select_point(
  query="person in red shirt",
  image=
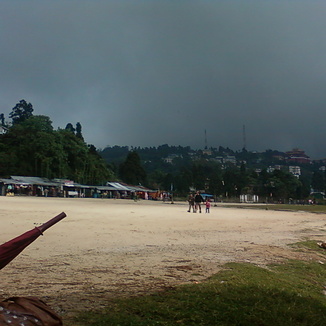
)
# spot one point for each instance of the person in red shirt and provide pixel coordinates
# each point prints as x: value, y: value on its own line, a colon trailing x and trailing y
x: 208, y: 205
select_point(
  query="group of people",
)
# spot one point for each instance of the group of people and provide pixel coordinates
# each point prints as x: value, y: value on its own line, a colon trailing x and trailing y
x: 196, y: 201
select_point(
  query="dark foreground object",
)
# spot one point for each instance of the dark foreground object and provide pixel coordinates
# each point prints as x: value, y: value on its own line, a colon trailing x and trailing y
x: 26, y: 311
x: 12, y: 248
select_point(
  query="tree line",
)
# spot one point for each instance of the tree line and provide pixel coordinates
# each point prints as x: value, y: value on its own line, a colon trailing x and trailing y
x: 31, y: 147
x: 186, y: 174
x: 233, y: 181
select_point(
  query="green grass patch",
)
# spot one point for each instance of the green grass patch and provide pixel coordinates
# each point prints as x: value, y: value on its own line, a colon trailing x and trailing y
x: 310, y: 245
x: 241, y: 294
x: 282, y: 207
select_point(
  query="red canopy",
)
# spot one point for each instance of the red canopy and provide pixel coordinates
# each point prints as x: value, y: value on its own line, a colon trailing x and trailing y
x: 12, y: 248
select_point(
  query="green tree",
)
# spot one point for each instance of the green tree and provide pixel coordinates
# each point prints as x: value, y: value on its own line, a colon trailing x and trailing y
x: 79, y: 131
x: 168, y: 182
x: 318, y: 181
x: 131, y: 170
x: 2, y: 119
x: 97, y: 170
x: 303, y: 191
x: 70, y: 127
x: 32, y: 148
x: 231, y: 179
x: 183, y: 181
x: 278, y: 185
x: 199, y: 175
x: 155, y: 179
x: 31, y: 143
x: 38, y: 123
x: 21, y: 111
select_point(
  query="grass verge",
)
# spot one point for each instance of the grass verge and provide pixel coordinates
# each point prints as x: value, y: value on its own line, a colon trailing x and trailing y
x: 282, y: 207
x: 241, y: 294
x: 310, y: 245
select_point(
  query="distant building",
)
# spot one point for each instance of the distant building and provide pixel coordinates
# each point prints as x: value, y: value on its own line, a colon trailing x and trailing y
x: 295, y: 170
x: 270, y: 169
x: 218, y: 159
x: 207, y: 152
x: 171, y: 157
x: 297, y: 156
x: 249, y: 199
x: 230, y: 159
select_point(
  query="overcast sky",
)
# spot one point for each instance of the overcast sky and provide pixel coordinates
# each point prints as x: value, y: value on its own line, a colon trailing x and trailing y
x: 147, y: 73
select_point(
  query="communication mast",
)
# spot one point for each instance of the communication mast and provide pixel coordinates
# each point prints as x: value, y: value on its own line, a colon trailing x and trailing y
x: 244, y: 137
x: 205, y: 139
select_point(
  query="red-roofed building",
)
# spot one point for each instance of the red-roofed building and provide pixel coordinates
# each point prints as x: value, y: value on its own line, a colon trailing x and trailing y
x: 297, y: 156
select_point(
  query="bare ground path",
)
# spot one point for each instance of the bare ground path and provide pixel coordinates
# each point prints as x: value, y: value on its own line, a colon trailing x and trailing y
x: 106, y: 248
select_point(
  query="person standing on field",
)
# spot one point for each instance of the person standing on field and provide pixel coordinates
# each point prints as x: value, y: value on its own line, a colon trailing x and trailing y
x: 198, y: 200
x: 191, y: 201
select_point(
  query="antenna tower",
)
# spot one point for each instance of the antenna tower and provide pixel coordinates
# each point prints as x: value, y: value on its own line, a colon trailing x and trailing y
x: 244, y: 137
x: 205, y: 139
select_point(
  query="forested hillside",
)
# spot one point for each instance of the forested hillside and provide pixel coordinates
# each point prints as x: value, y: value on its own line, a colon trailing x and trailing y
x: 31, y: 147
x: 221, y: 171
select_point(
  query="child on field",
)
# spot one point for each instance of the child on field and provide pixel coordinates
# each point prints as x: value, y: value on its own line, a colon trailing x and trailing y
x: 208, y: 205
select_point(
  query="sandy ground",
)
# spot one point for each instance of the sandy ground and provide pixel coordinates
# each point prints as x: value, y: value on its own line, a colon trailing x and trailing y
x: 106, y: 248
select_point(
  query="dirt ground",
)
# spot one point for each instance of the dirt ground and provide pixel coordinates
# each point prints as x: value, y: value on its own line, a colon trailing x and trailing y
x: 106, y: 248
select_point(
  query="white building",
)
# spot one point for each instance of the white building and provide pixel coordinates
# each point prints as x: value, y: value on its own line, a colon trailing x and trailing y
x: 295, y: 170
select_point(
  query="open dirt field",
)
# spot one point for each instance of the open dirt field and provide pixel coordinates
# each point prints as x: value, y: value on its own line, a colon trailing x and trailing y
x: 106, y: 248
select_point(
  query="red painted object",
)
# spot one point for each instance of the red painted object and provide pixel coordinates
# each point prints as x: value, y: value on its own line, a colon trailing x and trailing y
x: 12, y: 248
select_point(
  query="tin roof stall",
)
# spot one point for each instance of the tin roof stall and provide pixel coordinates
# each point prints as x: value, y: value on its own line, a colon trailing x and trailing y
x: 27, y: 186
x: 106, y: 191
x: 143, y: 192
x: 120, y: 191
x: 70, y: 189
x: 9, y: 186
x: 38, y: 186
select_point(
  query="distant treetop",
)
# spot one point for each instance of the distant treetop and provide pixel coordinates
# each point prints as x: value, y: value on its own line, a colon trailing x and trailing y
x: 21, y: 112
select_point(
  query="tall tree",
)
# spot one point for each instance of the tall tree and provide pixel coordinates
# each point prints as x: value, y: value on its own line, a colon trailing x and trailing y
x: 30, y: 144
x: 21, y: 112
x: 2, y: 119
x: 131, y: 170
x: 318, y: 181
x: 70, y: 127
x: 79, y: 131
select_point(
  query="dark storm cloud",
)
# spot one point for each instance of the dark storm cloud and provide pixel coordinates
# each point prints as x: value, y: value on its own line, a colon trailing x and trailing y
x: 145, y: 73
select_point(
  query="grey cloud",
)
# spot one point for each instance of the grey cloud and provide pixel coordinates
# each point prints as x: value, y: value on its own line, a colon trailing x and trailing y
x: 153, y: 72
